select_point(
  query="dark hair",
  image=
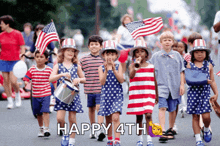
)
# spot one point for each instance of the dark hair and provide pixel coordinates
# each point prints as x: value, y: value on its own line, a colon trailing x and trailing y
x: 206, y: 58
x: 110, y: 51
x: 7, y: 19
x: 46, y: 53
x: 193, y: 37
x: 28, y: 24
x: 38, y: 27
x: 141, y: 48
x: 185, y: 46
x: 95, y: 38
x: 175, y: 44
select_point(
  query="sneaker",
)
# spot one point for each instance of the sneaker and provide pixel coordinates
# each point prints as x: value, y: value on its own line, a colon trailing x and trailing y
x: 71, y: 145
x: 207, y: 136
x: 65, y: 140
x: 150, y: 143
x: 46, y: 132
x: 117, y: 143
x: 10, y: 103
x: 109, y: 143
x: 200, y: 143
x: 18, y: 101
x: 100, y: 135
x: 41, y: 132
x: 139, y: 143
x: 92, y: 136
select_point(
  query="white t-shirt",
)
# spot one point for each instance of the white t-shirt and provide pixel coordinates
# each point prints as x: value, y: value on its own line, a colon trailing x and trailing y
x: 126, y: 38
x: 216, y: 20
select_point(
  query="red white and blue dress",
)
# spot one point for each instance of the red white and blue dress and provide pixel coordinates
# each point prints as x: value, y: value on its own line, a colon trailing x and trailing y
x: 142, y: 92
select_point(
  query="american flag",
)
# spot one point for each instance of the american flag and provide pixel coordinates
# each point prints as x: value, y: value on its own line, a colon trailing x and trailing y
x: 218, y: 74
x: 46, y: 36
x: 145, y: 27
x: 187, y: 57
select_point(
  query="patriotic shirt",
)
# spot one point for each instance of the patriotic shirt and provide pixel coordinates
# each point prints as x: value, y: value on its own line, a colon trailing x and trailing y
x: 40, y: 81
x: 10, y: 45
x: 142, y: 92
x: 90, y: 65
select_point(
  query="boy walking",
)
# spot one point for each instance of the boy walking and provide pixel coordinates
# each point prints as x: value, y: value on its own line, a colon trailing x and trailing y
x: 92, y: 87
x: 39, y: 74
x: 169, y: 71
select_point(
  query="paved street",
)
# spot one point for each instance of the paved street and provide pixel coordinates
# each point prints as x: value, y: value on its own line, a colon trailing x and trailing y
x: 18, y: 127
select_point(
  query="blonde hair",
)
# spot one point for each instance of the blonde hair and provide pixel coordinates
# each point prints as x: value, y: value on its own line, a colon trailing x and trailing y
x: 60, y: 57
x: 123, y: 18
x: 167, y: 34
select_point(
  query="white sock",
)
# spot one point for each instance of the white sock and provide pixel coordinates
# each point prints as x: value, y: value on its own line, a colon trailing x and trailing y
x: 149, y: 138
x: 140, y: 138
x: 198, y: 137
x: 42, y: 127
x: 10, y: 99
x: 17, y: 94
x: 206, y: 129
x: 72, y: 141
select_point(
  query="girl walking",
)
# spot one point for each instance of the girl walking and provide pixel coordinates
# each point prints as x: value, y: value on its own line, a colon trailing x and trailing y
x: 68, y: 67
x: 199, y: 96
x: 111, y: 77
x: 143, y: 93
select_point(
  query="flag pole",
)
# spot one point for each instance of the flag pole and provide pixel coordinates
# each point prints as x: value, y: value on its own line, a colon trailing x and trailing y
x: 56, y: 31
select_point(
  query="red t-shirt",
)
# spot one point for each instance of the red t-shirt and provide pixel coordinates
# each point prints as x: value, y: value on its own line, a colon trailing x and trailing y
x: 10, y: 45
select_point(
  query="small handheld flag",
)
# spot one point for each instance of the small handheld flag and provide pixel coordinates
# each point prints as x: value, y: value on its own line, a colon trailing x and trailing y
x: 145, y: 27
x: 46, y: 36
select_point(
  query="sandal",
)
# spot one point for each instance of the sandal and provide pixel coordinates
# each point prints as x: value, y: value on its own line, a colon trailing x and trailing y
x: 170, y: 134
x: 163, y: 138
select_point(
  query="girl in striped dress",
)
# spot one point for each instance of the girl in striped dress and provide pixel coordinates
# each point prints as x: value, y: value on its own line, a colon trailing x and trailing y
x: 143, y: 94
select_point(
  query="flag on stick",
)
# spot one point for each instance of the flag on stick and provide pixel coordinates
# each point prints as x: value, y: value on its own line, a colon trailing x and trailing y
x: 145, y: 27
x: 218, y: 74
x: 46, y: 36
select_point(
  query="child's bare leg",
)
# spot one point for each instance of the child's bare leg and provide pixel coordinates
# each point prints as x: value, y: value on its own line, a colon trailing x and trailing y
x: 61, y: 117
x: 46, y: 119
x: 116, y: 123
x: 109, y: 121
x: 72, y: 120
x: 139, y: 119
x: 172, y: 118
x: 100, y: 118
x: 40, y: 120
x: 206, y: 119
x: 162, y: 112
x: 195, y: 124
x: 148, y: 118
x: 92, y: 114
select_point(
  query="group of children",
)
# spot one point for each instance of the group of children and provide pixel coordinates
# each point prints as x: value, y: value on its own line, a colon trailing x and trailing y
x: 156, y: 80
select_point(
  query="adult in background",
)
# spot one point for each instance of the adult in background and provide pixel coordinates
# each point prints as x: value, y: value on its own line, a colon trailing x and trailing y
x: 124, y: 37
x: 78, y: 37
x: 12, y: 46
x: 217, y: 29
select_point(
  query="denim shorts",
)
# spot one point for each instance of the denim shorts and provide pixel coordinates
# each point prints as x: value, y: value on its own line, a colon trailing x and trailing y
x: 41, y: 105
x: 93, y: 99
x: 7, y: 66
x: 169, y: 103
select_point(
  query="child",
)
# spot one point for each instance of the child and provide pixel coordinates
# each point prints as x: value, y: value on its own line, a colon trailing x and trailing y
x: 143, y: 92
x: 199, y: 96
x: 92, y: 87
x: 174, y: 46
x: 67, y: 67
x: 39, y: 75
x: 111, y: 77
x: 170, y: 80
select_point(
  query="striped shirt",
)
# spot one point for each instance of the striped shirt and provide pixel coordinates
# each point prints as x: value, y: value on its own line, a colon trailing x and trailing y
x: 142, y: 92
x: 40, y: 81
x: 90, y: 65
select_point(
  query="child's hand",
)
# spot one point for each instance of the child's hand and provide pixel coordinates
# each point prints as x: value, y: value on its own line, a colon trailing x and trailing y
x: 182, y: 90
x: 67, y: 75
x: 156, y: 100
x: 25, y: 83
x: 105, y: 65
x: 73, y: 92
x: 209, y: 81
x: 76, y: 81
x: 214, y: 98
x: 113, y: 65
